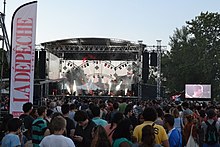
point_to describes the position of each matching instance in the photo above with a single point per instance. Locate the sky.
(132, 20)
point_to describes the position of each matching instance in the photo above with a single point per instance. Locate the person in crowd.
(115, 110)
(110, 128)
(34, 113)
(96, 117)
(150, 115)
(49, 115)
(89, 110)
(52, 106)
(148, 137)
(103, 110)
(211, 129)
(187, 128)
(130, 115)
(177, 120)
(122, 105)
(186, 112)
(70, 125)
(109, 108)
(56, 139)
(27, 119)
(3, 128)
(137, 109)
(140, 119)
(12, 139)
(99, 137)
(72, 112)
(82, 136)
(122, 134)
(50, 128)
(160, 115)
(175, 137)
(39, 126)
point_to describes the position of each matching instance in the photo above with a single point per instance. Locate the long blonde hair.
(100, 138)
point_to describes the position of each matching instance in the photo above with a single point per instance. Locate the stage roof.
(100, 48)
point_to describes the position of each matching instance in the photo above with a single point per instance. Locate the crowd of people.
(113, 123)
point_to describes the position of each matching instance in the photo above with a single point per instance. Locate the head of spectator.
(49, 113)
(115, 106)
(72, 107)
(100, 138)
(14, 125)
(27, 107)
(52, 105)
(42, 111)
(149, 114)
(65, 108)
(160, 113)
(58, 124)
(140, 118)
(148, 136)
(175, 113)
(128, 110)
(3, 128)
(34, 113)
(123, 130)
(185, 105)
(211, 113)
(81, 118)
(168, 121)
(116, 119)
(95, 111)
(202, 114)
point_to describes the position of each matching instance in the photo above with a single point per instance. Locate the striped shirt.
(39, 127)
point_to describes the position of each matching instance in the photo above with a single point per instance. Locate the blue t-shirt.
(11, 140)
(175, 138)
(99, 121)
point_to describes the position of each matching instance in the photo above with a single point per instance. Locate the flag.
(22, 56)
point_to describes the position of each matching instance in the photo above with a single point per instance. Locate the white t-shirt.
(56, 141)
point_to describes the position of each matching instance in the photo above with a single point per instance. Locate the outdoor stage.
(89, 64)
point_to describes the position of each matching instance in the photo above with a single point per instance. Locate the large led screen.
(197, 91)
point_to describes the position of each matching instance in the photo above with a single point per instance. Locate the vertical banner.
(22, 56)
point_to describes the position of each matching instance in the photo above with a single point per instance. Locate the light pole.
(139, 86)
(158, 68)
(2, 38)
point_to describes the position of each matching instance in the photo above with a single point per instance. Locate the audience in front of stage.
(100, 123)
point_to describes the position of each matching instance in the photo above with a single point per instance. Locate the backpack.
(211, 136)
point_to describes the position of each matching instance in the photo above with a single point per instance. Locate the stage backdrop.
(22, 56)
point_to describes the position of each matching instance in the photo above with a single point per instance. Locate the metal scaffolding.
(159, 50)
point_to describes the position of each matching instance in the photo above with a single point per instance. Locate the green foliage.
(195, 54)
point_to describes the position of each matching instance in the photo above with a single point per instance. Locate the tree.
(194, 55)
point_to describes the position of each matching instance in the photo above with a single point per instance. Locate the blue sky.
(132, 20)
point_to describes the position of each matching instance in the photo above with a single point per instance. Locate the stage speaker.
(149, 91)
(153, 59)
(145, 67)
(37, 94)
(36, 66)
(42, 64)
